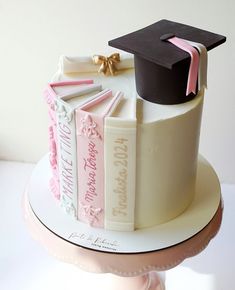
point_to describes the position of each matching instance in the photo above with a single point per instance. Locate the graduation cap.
(161, 68)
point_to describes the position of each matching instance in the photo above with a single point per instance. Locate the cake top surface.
(73, 68)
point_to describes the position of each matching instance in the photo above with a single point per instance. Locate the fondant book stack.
(90, 126)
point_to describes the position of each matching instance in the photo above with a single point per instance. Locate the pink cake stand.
(131, 271)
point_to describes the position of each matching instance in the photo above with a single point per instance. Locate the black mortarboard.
(161, 69)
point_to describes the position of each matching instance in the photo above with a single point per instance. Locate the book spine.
(83, 90)
(90, 160)
(120, 173)
(67, 165)
(50, 97)
(72, 83)
(90, 157)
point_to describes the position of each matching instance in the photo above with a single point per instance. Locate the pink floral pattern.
(53, 152)
(91, 213)
(88, 128)
(54, 187)
(68, 206)
(62, 112)
(54, 181)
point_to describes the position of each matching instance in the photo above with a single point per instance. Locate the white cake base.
(194, 219)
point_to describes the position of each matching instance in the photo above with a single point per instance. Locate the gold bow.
(107, 64)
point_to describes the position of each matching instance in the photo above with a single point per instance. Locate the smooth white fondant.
(166, 165)
(167, 149)
(190, 222)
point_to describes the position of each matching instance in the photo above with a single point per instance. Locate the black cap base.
(161, 85)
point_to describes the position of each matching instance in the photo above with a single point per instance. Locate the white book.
(65, 105)
(120, 166)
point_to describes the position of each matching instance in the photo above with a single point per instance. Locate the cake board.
(99, 251)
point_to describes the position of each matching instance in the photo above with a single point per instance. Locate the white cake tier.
(190, 222)
(166, 150)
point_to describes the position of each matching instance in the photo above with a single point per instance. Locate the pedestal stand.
(132, 270)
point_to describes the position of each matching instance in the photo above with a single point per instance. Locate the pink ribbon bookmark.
(202, 78)
(194, 64)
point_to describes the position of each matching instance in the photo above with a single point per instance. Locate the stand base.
(137, 269)
(149, 281)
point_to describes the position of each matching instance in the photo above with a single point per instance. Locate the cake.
(124, 132)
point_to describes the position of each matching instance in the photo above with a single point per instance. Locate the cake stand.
(134, 266)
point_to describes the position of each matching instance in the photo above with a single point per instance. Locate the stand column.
(149, 281)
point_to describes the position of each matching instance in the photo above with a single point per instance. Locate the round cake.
(124, 131)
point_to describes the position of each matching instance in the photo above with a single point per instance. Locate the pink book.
(90, 156)
(50, 95)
